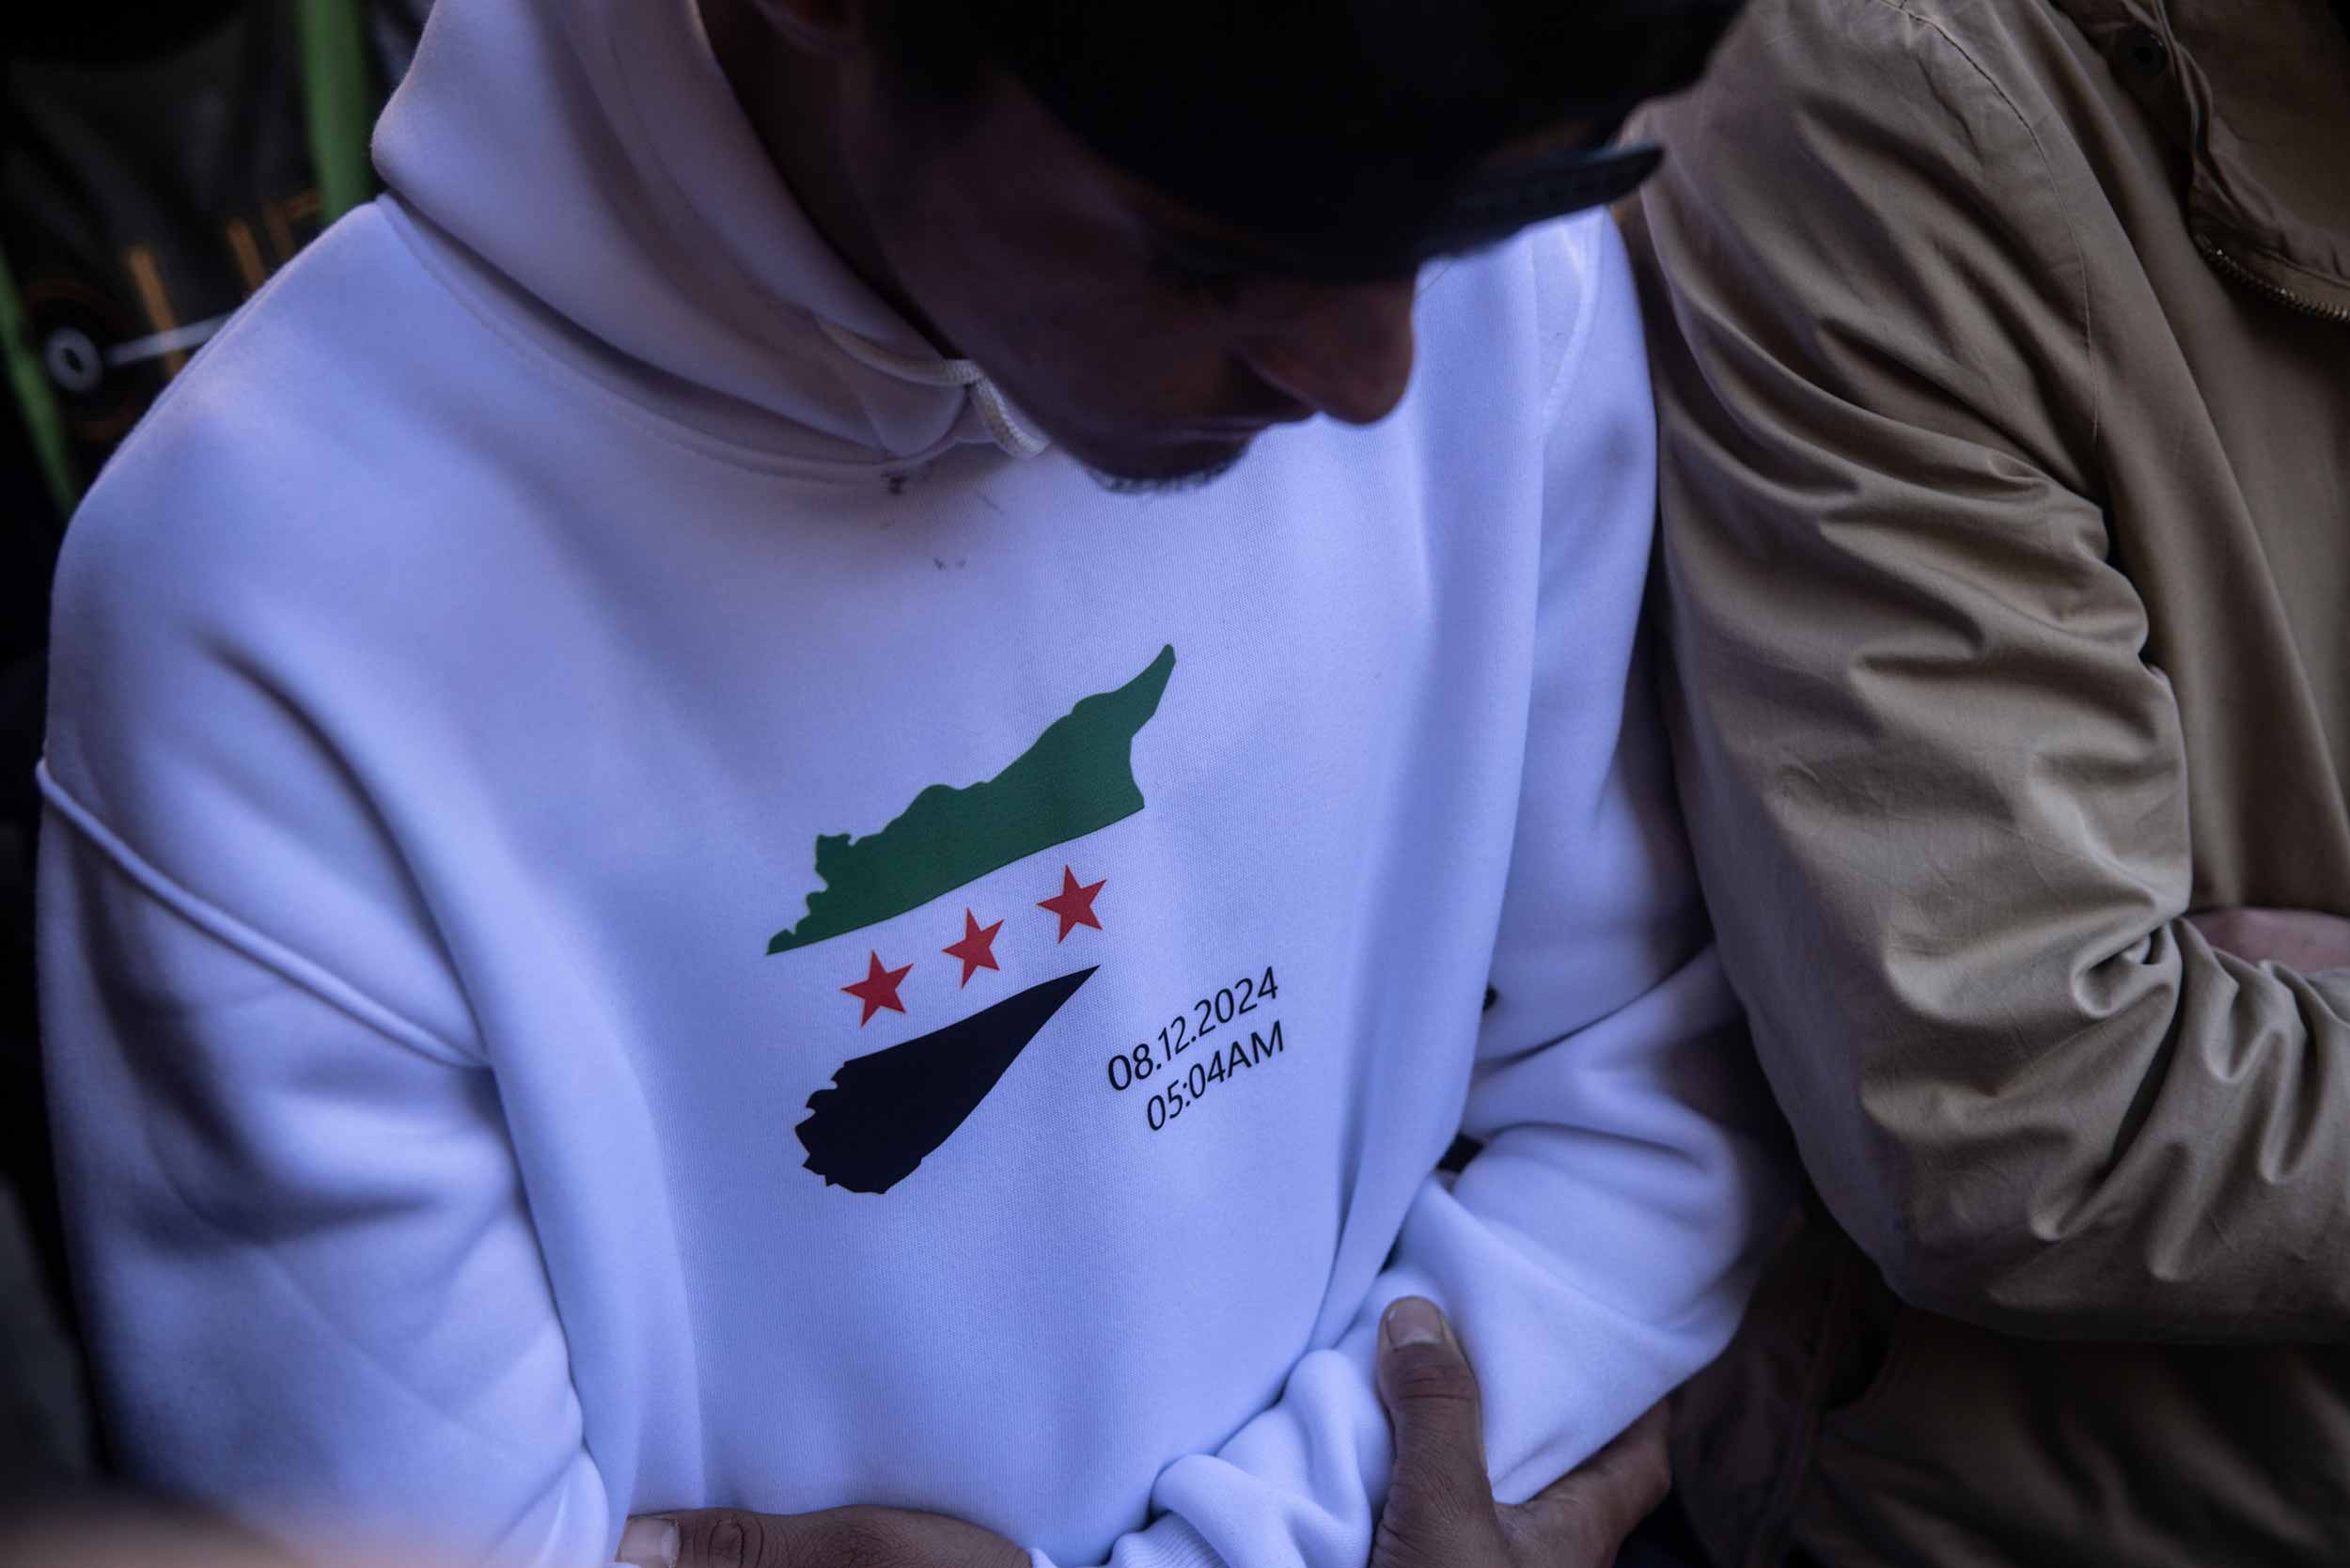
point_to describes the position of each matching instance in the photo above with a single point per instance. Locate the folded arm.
(1939, 791)
(1600, 1247)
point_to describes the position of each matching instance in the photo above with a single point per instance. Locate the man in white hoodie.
(654, 898)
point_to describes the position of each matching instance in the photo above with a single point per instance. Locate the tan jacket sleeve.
(1938, 795)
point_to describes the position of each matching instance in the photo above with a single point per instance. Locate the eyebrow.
(1215, 256)
(1236, 253)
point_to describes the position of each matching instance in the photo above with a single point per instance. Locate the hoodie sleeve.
(1601, 1248)
(278, 1191)
(314, 1292)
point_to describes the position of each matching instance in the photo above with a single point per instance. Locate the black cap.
(1358, 139)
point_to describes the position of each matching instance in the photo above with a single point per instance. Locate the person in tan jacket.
(2003, 354)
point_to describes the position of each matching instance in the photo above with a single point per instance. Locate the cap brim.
(1490, 208)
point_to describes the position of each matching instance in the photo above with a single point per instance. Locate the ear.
(832, 28)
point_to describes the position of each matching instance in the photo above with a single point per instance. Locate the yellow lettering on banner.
(248, 253)
(148, 279)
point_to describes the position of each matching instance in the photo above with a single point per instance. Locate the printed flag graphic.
(886, 1111)
(1079, 778)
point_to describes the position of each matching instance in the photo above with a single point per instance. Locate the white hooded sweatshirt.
(649, 905)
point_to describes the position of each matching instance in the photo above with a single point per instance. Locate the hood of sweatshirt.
(588, 163)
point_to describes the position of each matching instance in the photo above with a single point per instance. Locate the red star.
(878, 989)
(1073, 903)
(978, 948)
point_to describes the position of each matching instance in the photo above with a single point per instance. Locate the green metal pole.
(341, 106)
(44, 419)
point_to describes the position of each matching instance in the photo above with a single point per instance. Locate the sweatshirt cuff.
(1171, 1543)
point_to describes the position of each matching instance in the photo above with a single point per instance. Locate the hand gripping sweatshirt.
(647, 904)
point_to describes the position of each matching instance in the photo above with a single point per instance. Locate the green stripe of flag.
(1078, 778)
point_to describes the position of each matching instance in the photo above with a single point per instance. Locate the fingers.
(707, 1538)
(1591, 1509)
(113, 1530)
(2300, 939)
(1440, 1487)
(858, 1537)
(649, 1543)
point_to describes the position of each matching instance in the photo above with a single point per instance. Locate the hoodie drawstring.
(1005, 426)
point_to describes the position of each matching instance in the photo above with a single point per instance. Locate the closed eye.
(1199, 279)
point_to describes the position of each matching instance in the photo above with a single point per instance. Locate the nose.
(1346, 350)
